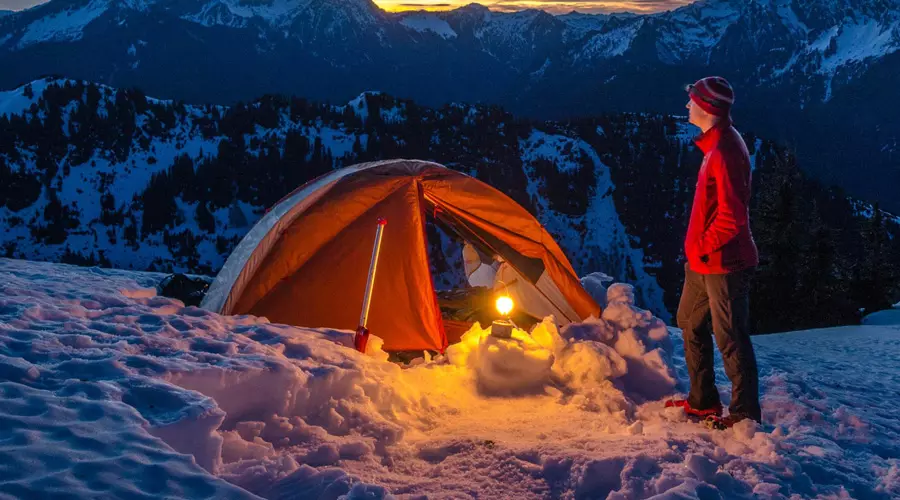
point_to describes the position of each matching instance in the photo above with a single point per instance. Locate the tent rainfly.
(305, 262)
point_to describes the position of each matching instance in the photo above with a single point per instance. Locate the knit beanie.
(713, 94)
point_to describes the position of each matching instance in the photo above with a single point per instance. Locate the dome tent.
(305, 262)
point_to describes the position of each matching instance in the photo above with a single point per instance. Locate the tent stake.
(362, 333)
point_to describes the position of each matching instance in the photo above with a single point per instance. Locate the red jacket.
(718, 237)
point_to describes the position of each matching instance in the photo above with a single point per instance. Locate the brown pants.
(724, 301)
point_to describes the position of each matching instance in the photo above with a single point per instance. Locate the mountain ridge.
(799, 67)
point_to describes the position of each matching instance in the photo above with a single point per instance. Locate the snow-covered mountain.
(771, 40)
(799, 66)
(108, 389)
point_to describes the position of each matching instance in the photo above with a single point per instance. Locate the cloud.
(18, 4)
(551, 6)
(592, 6)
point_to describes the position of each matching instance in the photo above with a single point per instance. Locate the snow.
(236, 13)
(790, 19)
(107, 387)
(756, 147)
(510, 29)
(65, 25)
(579, 25)
(538, 73)
(694, 30)
(610, 44)
(360, 106)
(856, 42)
(428, 22)
(14, 102)
(885, 318)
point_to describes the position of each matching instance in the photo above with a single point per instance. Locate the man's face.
(695, 114)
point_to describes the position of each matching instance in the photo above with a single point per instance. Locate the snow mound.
(627, 345)
(884, 318)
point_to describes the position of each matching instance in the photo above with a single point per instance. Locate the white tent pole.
(362, 333)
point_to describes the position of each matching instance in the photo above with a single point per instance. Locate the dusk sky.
(554, 7)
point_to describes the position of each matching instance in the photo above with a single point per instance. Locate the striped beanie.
(713, 94)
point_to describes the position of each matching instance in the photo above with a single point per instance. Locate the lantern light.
(503, 328)
(504, 305)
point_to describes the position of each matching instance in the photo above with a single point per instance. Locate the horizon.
(551, 6)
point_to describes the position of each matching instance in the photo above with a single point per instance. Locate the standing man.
(721, 257)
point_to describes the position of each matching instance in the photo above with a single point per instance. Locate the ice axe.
(362, 333)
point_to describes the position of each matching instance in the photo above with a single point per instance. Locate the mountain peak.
(473, 7)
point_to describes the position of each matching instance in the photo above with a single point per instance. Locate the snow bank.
(886, 317)
(627, 348)
(107, 389)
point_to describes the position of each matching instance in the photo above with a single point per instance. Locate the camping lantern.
(503, 327)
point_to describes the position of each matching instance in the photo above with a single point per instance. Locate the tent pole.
(362, 333)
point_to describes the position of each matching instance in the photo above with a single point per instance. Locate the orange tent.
(306, 261)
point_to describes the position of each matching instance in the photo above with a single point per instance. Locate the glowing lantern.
(503, 327)
(504, 305)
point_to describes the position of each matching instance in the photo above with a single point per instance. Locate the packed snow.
(109, 389)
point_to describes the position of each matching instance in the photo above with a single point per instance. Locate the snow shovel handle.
(362, 333)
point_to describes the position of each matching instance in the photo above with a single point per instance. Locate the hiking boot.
(722, 423)
(715, 411)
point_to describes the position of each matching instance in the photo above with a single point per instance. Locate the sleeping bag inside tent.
(306, 261)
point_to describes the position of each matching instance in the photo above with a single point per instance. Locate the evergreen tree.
(205, 219)
(777, 234)
(876, 273)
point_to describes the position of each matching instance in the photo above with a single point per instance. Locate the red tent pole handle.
(362, 333)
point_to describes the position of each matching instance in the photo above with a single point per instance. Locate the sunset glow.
(553, 7)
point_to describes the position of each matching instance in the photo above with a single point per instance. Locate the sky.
(553, 6)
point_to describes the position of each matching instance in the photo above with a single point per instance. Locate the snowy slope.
(578, 25)
(428, 22)
(118, 380)
(15, 102)
(236, 14)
